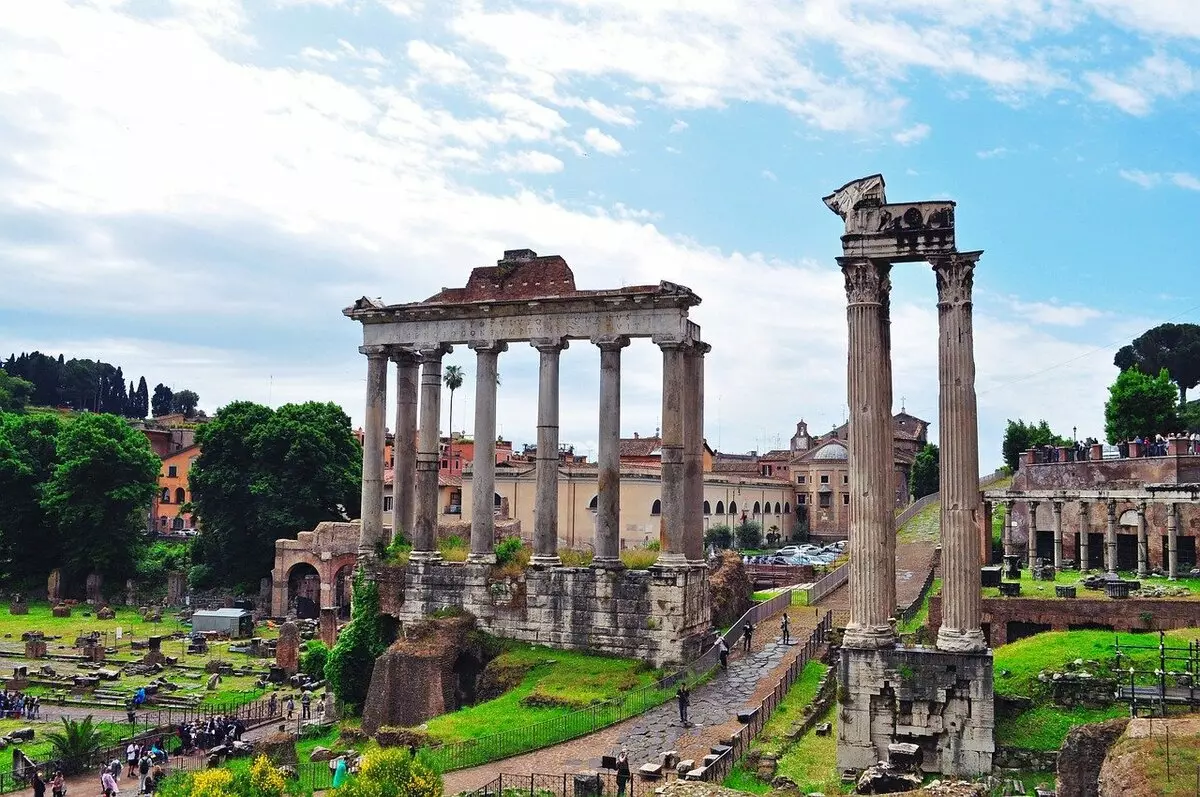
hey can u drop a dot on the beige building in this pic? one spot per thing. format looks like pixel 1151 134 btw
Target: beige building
pixel 727 499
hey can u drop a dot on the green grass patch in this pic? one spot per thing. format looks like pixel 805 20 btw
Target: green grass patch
pixel 925 526
pixel 1045 727
pixel 922 615
pixel 1143 763
pixel 812 762
pixel 1045 589
pixel 741 780
pixel 40 748
pixel 1025 658
pixel 803 692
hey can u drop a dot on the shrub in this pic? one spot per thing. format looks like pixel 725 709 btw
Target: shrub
pixel 351 734
pixel 507 550
pixel 749 534
pixel 393 736
pixel 358 645
pixel 200 576
pixel 639 558
pixel 314 659
pixel 574 558
pixel 76 744
pixel 396 552
pixel 393 773
pixel 719 535
pixel 265 779
pixel 262 779
pixel 454 549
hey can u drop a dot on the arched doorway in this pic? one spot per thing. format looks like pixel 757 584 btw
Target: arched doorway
pixel 304 590
pixel 343 588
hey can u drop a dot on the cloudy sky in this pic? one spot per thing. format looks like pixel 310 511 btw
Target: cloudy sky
pixel 193 189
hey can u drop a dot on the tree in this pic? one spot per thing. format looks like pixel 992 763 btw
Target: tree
pixel 1019 437
pixel 720 536
pixel 1189 416
pixel 29 544
pixel 748 534
pixel 314 658
pixel 923 479
pixel 76 744
pixel 454 380
pixel 266 474
pixel 143 399
pixel 1140 406
pixel 15 392
pixel 1175 347
pixel 99 494
pixel 184 402
pixel 163 400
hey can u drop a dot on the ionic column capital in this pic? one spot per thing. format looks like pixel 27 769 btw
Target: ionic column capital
pixel 955 273
pixel 374 352
pixel 867 281
pixel 549 344
pixel 488 346
pixel 610 342
pixel 403 356
pixel 432 352
pixel 669 342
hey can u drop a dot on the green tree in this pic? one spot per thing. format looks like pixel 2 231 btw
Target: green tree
pixel 719 535
pixel 923 479
pixel 1140 406
pixel 184 402
pixel 162 401
pixel 454 380
pixel 1020 437
pixel 15 392
pixel 363 640
pixel 748 534
pixel 314 658
pixel 1189 416
pixel 76 744
pixel 266 474
pixel 143 399
pixel 99 494
pixel 29 544
pixel 1175 347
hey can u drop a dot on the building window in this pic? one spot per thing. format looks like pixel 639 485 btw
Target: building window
pixel 802 499
pixel 845 499
pixel 180 495
pixel 720 507
pixel 162 521
pixel 496 500
pixel 733 507
pixel 172 471
pixel 776 507
pixel 801 479
pixel 656 507
pixel 166 496
pixel 826 500
pixel 177 523
pixel 594 503
pixel 825 479
pixel 845 479
pixel 387 503
pixel 757 508
pixel 707 508
pixel 445 464
pixel 787 508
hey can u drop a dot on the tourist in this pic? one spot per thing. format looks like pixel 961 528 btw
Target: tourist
pixel 58 786
pixel 39 785
pixel 622 771
pixel 289 707
pixel 272 705
pixel 132 754
pixel 108 783
pixel 747 631
pixel 306 706
pixel 723 653
pixel 785 627
pixel 339 772
pixel 684 697
pixel 114 767
pixel 143 772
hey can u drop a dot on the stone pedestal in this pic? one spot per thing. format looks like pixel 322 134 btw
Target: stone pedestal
pixel 942 702
pixel 329 625
pixel 176 588
pixel 35 647
pixel 287 649
pixel 95 584
pixel 54 586
pixel 18 605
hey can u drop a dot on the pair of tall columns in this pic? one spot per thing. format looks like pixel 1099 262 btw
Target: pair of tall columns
pixel 871 466
pixel 681 451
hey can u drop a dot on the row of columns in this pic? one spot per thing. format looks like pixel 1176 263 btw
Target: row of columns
pixel 417 459
pixel 871 466
pixel 1109 554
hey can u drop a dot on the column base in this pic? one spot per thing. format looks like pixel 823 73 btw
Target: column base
pixel 861 637
pixel 485 558
pixel 542 560
pixel 958 640
pixel 672 561
pixel 425 556
pixel 607 563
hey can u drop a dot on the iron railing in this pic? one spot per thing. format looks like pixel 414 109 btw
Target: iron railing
pixel 828 583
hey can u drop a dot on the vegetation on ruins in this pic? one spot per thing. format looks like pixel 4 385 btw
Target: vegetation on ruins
pixel 923 479
pixel 1140 406
pixel 392 772
pixel 314 659
pixel 364 639
pixel 1171 347
pixel 260 779
pixel 263 475
pixel 76 744
pixel 1020 437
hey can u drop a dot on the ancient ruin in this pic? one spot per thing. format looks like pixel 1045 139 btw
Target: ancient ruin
pixel 314 571
pixel 940 700
pixel 661 615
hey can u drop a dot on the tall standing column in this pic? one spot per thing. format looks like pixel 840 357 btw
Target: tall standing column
pixel 962 606
pixel 1110 541
pixel 428 455
pixel 1143 567
pixel 673 519
pixel 608 460
pixel 693 451
pixel 872 523
pixel 1009 525
pixel 1085 529
pixel 370 536
pixel 483 476
pixel 1056 507
pixel 404 445
pixel 1172 541
pixel 545 511
pixel 1031 548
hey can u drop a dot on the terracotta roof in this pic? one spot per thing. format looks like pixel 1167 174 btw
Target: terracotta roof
pixel 640 446
pixel 904 427
pixel 778 453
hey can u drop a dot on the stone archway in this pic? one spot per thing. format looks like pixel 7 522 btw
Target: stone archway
pixel 304 590
pixel 343 584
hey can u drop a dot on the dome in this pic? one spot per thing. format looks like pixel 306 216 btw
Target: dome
pixel 832 451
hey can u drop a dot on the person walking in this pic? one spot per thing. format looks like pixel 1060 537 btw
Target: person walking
pixel 785 627
pixel 272 705
pixel 108 784
pixel 39 785
pixel 622 771
pixel 684 697
pixel 747 631
pixel 58 786
pixel 321 708
pixel 143 772
pixel 290 707
pixel 723 653
pixel 306 706
pixel 131 757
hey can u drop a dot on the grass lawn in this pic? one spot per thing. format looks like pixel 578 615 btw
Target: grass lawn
pixel 922 614
pixel 803 691
pixel 41 619
pixel 1045 727
pixel 812 761
pixel 40 748
pixel 557 683
pixel 925 526
pixel 1045 589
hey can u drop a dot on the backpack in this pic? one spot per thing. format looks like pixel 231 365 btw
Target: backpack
pixel 144 765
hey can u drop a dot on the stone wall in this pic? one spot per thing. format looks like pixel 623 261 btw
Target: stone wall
pixel 1025 760
pixel 1124 616
pixel 1082 756
pixel 661 616
pixel 942 702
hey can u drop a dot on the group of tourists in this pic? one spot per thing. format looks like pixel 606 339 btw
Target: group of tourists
pixel 306 706
pixel 207 734
pixel 17 705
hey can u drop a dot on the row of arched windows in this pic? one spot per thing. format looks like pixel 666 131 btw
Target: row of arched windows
pixel 785 508
pixel 180 496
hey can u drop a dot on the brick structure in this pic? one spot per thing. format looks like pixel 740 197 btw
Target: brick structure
pixel 317 566
pixel 287 649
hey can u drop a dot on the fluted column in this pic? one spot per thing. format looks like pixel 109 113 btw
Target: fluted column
pixel 1056 507
pixel 483 467
pixel 545 511
pixel 425 520
pixel 370 536
pixel 1009 524
pixel 872 524
pixel 1110 541
pixel 1143 566
pixel 608 459
pixel 1172 541
pixel 958 419
pixel 693 451
pixel 404 444
pixel 1085 528
pixel 673 519
pixel 1031 551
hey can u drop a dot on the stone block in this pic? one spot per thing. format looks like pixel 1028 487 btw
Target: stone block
pixel 650 771
pixel 61 610
pixel 685 766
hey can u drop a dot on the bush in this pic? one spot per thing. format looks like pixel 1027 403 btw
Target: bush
pixel 76 744
pixel 719 535
pixel 393 773
pixel 314 659
pixel 352 659
pixel 749 534
pixel 640 558
pixel 454 549
pixel 200 576
pixel 262 779
pixel 396 552
pixel 507 550
pixel 161 558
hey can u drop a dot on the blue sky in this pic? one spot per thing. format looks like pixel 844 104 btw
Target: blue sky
pixel 193 189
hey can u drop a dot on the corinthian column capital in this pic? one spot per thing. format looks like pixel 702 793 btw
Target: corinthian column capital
pixel 867 281
pixel 955 275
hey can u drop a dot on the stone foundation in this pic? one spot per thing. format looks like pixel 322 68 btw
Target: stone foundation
pixel 942 702
pixel 656 615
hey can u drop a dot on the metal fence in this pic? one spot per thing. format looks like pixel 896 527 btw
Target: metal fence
pixel 828 583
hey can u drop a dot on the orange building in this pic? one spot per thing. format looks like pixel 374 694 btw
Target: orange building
pixel 174 492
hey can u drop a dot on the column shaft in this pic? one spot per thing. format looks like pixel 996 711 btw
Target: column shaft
pixel 425 520
pixel 673 519
pixel 370 537
pixel 1143 561
pixel 1031 548
pixel 608 459
pixel 1057 508
pixel 483 466
pixel 1085 528
pixel 962 606
pixel 1110 540
pixel 545 512
pixel 1009 525
pixel 693 451
pixel 1172 541
pixel 871 465
pixel 404 444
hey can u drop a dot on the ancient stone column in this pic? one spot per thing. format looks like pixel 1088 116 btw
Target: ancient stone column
pixel 1143 566
pixel 425 512
pixel 958 420
pixel 1031 551
pixel 545 512
pixel 483 478
pixel 370 535
pixel 1172 541
pixel 1056 508
pixel 1085 528
pixel 608 460
pixel 1010 524
pixel 693 451
pixel 1110 541
pixel 404 444
pixel 673 520
pixel 872 523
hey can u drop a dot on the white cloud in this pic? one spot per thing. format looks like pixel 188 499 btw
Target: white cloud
pixel 678 126
pixel 767 174
pixel 1184 180
pixel 994 152
pixel 530 161
pixel 437 64
pixel 403 8
pixel 1139 177
pixel 1156 77
pixel 609 114
pixel 1053 313
pixel 911 135
pixel 602 142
